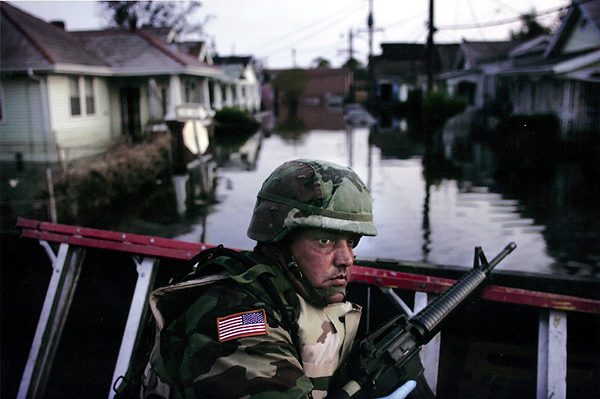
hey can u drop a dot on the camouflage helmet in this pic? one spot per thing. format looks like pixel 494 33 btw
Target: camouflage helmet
pixel 311 193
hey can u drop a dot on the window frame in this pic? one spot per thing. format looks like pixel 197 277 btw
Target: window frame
pixel 75 96
pixel 82 96
pixel 89 96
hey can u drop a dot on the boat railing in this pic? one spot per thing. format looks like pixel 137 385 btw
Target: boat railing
pixel 66 246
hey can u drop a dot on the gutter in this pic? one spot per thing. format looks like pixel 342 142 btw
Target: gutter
pixel 43 99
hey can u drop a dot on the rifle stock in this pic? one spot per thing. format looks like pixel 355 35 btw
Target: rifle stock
pixel 388 357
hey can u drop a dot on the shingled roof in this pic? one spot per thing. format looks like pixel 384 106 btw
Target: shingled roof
pixel 478 52
pixel 29 42
pixel 139 53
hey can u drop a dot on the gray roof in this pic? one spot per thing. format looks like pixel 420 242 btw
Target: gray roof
pixel 137 52
pixel 29 42
pixel 478 52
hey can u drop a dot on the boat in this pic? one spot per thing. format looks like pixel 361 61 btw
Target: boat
pixel 77 300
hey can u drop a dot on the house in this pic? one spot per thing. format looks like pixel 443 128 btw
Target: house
pixel 474 70
pixel 324 85
pixel 557 74
pixel 68 95
pixel 330 85
pixel 320 105
pixel 565 78
pixel 402 67
pixel 240 85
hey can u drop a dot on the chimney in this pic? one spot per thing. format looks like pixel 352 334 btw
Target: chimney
pixel 133 23
pixel 60 24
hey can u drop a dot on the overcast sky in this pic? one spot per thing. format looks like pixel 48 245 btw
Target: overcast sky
pixel 282 32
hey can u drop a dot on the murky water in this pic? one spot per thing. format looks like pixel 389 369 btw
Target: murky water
pixel 439 223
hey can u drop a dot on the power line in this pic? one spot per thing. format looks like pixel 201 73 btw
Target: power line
pixel 497 23
pixel 312 24
pixel 474 16
pixel 403 20
pixel 313 34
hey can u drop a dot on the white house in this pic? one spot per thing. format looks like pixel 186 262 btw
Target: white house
pixel 240 86
pixel 66 95
pixel 557 74
pixel 565 78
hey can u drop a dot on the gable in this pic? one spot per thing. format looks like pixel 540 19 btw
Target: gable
pixel 18 52
pixel 54 44
pixel 579 30
pixel 584 36
pixel 31 43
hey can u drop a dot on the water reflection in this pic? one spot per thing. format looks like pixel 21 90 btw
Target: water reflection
pixel 434 211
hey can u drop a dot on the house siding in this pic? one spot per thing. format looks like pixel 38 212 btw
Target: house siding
pixel 22 129
pixel 83 135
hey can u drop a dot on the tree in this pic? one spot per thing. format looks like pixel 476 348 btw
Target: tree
pixel 293 83
pixel 531 28
pixel 320 62
pixel 353 64
pixel 135 14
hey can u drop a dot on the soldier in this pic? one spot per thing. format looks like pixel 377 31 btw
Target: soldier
pixel 271 323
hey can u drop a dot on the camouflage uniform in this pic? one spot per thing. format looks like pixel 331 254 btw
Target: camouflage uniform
pixel 302 344
pixel 189 356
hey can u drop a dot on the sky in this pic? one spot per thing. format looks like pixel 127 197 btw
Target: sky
pixel 293 33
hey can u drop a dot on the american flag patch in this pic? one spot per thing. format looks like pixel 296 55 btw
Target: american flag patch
pixel 246 324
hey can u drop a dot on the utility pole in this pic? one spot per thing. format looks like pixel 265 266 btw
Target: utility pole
pixel 372 88
pixel 350 44
pixel 372 84
pixel 350 50
pixel 429 152
pixel 430 50
pixel 351 64
pixel 293 58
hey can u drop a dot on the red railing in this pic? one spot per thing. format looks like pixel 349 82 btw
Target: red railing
pixel 169 248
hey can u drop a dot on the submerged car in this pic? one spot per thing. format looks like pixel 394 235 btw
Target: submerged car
pixel 359 118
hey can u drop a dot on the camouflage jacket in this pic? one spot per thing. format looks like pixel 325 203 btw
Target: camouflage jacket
pixel 234 341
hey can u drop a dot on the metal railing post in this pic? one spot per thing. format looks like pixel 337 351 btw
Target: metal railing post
pixel 552 355
pixel 59 296
pixel 139 307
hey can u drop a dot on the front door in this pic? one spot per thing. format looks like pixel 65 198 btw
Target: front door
pixel 130 113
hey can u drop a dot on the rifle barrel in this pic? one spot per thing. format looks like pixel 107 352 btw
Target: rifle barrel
pixel 425 324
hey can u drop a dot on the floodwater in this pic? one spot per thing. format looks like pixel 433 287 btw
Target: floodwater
pixel 437 220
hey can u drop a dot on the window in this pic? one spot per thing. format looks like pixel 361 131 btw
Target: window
pixel 75 96
pixel 81 95
pixel 192 93
pixel 90 104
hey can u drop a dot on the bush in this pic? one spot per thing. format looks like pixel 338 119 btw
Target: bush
pixel 438 107
pixel 233 125
pixel 106 185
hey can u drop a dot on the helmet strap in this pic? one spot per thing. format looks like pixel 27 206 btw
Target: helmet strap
pixel 316 296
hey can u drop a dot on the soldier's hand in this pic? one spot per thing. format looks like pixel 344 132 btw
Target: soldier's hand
pixel 403 391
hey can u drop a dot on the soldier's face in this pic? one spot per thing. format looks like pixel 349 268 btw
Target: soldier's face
pixel 325 258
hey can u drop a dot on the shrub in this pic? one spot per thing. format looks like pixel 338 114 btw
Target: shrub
pixel 90 191
pixel 233 125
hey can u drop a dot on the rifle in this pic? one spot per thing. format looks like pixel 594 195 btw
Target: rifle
pixel 388 357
